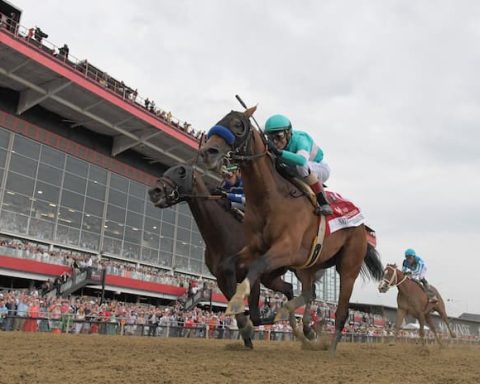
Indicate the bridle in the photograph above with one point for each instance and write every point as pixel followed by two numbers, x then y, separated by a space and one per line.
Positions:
pixel 178 193
pixel 243 143
pixel 393 282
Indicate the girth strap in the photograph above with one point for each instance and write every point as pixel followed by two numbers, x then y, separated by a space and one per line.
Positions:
pixel 317 245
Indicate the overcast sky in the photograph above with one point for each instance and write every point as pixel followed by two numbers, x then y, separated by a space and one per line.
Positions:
pixel 389 89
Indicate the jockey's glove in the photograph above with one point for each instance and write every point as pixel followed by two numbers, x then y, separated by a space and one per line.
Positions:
pixel 271 148
pixel 219 192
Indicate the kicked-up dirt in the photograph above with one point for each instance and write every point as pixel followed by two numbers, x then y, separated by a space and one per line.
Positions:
pixel 92 359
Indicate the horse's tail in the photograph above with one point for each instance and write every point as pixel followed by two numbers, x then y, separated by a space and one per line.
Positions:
pixel 372 266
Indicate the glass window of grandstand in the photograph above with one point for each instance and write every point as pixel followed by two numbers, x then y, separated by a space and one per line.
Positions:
pixel 54 197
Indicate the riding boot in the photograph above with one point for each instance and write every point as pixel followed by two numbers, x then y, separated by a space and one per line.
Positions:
pixel 432 298
pixel 317 188
pixel 324 208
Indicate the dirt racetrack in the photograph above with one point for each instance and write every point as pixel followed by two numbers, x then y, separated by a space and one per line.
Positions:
pixel 92 359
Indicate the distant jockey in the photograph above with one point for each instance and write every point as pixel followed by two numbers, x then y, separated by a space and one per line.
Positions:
pixel 416 268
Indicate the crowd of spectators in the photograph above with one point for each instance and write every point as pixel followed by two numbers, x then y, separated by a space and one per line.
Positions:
pixel 78 260
pixel 37 37
pixel 31 312
pixel 28 311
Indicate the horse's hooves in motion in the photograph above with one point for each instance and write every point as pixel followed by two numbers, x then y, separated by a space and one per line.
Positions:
pixel 248 343
pixel 237 347
pixel 309 333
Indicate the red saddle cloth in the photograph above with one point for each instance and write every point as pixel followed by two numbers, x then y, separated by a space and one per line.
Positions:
pixel 345 213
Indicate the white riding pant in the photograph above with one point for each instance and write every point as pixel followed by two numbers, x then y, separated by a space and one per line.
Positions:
pixel 321 169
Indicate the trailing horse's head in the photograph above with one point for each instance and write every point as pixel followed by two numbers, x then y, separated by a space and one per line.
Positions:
pixel 390 278
pixel 174 186
pixel 231 133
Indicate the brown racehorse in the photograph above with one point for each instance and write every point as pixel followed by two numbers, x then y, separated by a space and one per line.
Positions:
pixel 280 227
pixel 223 236
pixel 413 300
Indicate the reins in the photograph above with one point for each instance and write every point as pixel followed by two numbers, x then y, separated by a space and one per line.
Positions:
pixel 394 277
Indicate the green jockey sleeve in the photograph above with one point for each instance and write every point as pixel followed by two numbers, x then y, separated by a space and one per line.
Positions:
pixel 293 158
pixel 298 149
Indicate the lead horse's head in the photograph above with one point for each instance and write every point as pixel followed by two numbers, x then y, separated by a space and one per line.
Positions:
pixel 230 135
pixel 174 186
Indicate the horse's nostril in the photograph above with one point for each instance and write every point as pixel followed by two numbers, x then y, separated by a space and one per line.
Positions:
pixel 212 151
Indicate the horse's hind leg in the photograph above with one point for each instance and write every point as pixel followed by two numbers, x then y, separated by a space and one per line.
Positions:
pixel 443 315
pixel 348 266
pixel 429 321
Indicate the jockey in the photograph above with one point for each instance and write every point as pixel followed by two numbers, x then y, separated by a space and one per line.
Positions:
pixel 233 186
pixel 415 266
pixel 297 148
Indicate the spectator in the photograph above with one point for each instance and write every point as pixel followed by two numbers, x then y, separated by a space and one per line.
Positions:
pixel 22 310
pixel 39 35
pixel 63 52
pixel 30 33
pixel 3 313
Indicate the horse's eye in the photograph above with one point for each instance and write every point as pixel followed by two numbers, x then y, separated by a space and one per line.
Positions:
pixel 182 172
pixel 238 128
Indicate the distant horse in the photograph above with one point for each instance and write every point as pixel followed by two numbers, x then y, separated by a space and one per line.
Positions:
pixel 280 226
pixel 223 234
pixel 413 300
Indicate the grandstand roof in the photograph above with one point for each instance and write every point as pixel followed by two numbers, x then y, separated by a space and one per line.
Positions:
pixel 41 78
pixel 470 316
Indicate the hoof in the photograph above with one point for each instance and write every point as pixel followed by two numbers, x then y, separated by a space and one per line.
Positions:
pixel 282 315
pixel 248 343
pixel 309 333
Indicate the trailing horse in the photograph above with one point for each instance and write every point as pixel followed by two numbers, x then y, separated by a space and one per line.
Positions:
pixel 413 300
pixel 280 227
pixel 223 235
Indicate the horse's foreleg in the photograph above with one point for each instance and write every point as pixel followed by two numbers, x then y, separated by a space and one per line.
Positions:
pixel 307 318
pixel 276 257
pixel 227 281
pixel 401 313
pixel 253 301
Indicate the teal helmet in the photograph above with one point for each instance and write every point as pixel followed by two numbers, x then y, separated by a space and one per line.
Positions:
pixel 410 252
pixel 277 123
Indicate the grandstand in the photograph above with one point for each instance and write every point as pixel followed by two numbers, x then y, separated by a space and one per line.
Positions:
pixel 78 151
